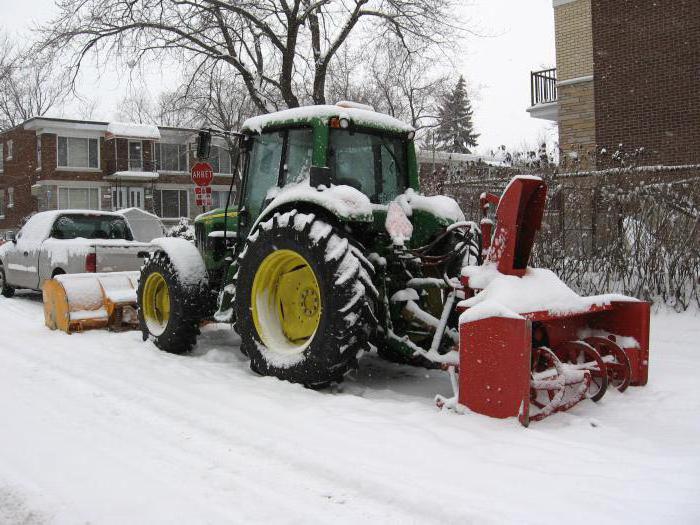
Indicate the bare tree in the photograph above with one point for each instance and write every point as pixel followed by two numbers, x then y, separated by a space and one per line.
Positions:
pixel 277 47
pixel 30 84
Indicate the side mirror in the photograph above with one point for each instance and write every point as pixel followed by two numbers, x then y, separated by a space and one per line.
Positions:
pixel 203 144
pixel 320 175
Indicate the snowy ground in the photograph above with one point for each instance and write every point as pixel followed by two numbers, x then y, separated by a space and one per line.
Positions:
pixel 103 428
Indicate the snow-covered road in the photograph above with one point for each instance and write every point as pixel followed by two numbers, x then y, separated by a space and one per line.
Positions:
pixel 103 428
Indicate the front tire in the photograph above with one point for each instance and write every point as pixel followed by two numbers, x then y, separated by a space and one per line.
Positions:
pixel 169 309
pixel 5 289
pixel 304 301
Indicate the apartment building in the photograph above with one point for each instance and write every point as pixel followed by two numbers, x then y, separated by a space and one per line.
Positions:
pixel 627 73
pixel 51 163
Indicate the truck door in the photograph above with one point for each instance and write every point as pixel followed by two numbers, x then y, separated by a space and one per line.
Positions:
pixel 23 260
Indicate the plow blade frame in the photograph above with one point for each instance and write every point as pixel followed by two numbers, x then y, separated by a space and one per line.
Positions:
pixel 494 366
pixel 77 302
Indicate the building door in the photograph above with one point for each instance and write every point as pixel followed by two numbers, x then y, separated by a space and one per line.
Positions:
pixel 136 198
pixel 119 198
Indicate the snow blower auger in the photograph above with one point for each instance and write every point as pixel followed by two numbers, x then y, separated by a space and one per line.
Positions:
pixel 528 345
pixel 83 301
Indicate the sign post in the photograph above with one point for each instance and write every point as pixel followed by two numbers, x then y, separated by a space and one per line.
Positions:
pixel 202 175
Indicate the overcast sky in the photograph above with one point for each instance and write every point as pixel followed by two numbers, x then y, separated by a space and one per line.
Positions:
pixel 520 39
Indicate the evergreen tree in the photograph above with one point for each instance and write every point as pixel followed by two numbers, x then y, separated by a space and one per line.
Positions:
pixel 455 132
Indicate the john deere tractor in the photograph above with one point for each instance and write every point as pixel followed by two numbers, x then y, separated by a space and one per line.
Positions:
pixel 328 252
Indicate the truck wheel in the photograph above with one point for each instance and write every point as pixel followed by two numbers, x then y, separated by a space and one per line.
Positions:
pixel 169 310
pixel 304 300
pixel 5 289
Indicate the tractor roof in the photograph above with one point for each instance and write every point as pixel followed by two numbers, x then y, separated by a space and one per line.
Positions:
pixel 308 114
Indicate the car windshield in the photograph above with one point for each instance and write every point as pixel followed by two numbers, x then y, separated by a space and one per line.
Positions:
pixel 373 163
pixel 89 226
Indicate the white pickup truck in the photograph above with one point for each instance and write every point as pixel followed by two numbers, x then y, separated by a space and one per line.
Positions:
pixel 68 241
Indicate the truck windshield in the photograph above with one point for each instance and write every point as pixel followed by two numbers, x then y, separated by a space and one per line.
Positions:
pixel 373 163
pixel 89 226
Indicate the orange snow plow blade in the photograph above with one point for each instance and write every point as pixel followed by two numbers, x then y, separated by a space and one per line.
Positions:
pixel 77 302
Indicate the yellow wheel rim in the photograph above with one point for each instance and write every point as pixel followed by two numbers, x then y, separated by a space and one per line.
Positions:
pixel 286 302
pixel 156 303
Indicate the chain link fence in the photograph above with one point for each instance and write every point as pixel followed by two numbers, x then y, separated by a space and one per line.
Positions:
pixel 633 230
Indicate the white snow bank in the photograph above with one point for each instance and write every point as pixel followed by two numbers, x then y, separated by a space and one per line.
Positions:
pixel 536 291
pixel 186 259
pixel 361 117
pixel 133 131
pixel 437 205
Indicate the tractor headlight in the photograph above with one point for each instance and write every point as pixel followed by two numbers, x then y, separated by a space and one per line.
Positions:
pixel 344 123
pixel 410 135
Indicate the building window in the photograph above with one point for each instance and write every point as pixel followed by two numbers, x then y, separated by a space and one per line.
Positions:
pixel 10 197
pixel 220 159
pixel 78 153
pixel 38 152
pixel 2 204
pixel 171 204
pixel 10 149
pixel 218 199
pixel 78 198
pixel 135 155
pixel 171 157
pixel 2 157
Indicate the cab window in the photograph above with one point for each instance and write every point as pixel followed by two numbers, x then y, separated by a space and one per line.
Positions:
pixel 263 169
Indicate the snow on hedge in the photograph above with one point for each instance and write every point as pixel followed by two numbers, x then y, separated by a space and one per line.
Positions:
pixel 186 259
pixel 358 116
pixel 538 290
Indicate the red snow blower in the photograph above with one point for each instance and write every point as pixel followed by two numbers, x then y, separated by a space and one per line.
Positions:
pixel 528 345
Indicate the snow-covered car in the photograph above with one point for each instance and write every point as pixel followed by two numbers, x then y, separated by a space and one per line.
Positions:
pixel 68 241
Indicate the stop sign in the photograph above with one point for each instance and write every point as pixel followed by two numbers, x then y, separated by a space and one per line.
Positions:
pixel 202 174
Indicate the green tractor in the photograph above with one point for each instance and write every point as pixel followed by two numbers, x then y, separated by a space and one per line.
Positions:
pixel 329 251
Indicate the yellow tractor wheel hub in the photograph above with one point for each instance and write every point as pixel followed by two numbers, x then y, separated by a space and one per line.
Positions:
pixel 286 302
pixel 156 303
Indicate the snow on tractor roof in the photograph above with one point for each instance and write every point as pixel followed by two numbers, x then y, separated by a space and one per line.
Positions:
pixel 358 116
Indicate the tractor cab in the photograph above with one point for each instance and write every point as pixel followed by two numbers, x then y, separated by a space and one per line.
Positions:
pixel 323 146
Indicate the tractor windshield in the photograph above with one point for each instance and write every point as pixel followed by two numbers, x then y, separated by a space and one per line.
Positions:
pixel 373 163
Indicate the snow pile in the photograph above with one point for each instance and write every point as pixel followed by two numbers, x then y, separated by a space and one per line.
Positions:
pixel 144 226
pixel 134 426
pixel 133 131
pixel 358 116
pixel 438 205
pixel 186 259
pixel 344 201
pixel 539 290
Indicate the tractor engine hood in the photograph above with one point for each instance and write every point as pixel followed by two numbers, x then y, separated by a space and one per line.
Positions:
pixel 427 214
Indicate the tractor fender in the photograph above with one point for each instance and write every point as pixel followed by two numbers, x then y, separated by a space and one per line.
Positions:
pixel 345 203
pixel 186 259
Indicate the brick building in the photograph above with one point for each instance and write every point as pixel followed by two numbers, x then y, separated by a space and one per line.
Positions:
pixel 627 72
pixel 50 163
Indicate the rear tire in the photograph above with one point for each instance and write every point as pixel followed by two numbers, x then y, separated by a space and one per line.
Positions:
pixel 5 289
pixel 169 310
pixel 304 301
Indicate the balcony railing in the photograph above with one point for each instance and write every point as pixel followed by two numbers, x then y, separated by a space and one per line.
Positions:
pixel 146 165
pixel 543 86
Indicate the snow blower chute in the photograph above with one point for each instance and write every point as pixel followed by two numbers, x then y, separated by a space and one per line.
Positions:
pixel 528 345
pixel 77 302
